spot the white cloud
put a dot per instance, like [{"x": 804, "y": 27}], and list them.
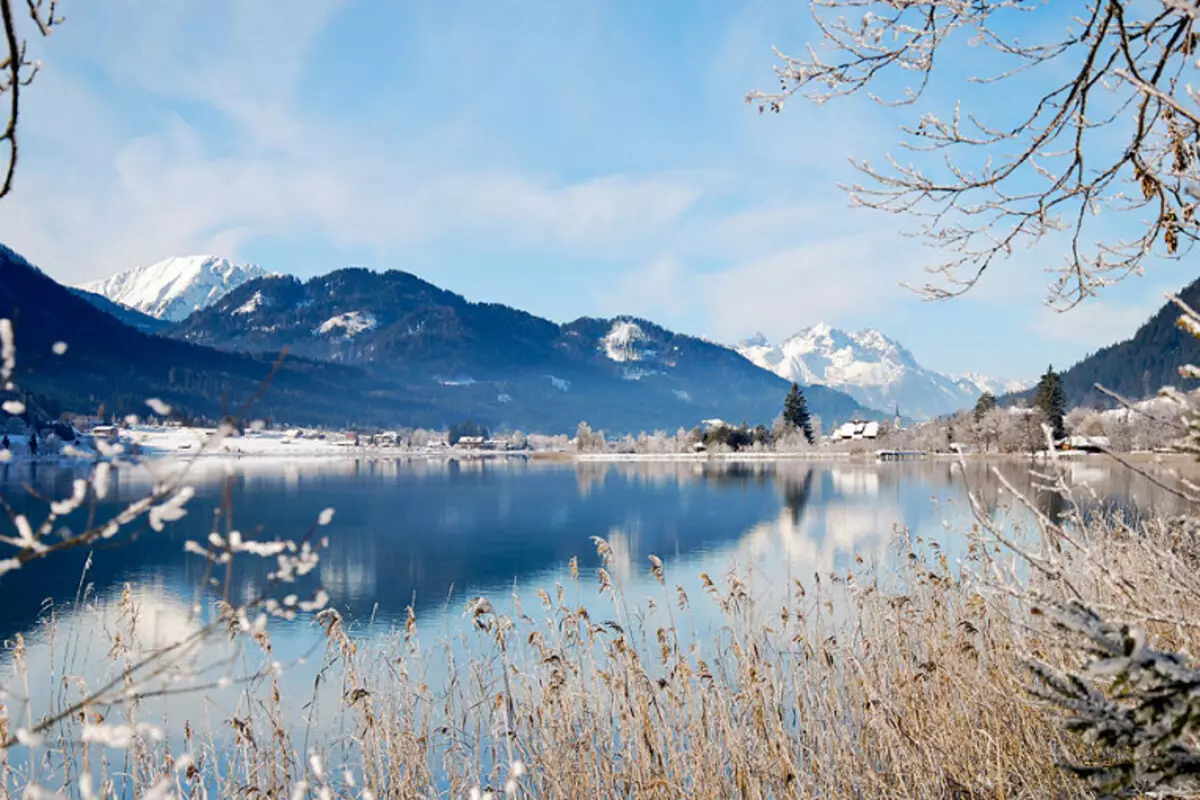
[
  {"x": 1093, "y": 324},
  {"x": 829, "y": 278}
]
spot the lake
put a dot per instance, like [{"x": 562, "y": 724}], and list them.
[{"x": 431, "y": 534}]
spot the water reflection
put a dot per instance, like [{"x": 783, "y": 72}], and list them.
[{"x": 416, "y": 532}]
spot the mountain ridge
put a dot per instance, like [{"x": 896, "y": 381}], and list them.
[
  {"x": 396, "y": 323},
  {"x": 389, "y": 349},
  {"x": 130, "y": 316}
]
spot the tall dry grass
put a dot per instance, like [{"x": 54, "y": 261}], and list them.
[
  {"x": 930, "y": 679},
  {"x": 907, "y": 685}
]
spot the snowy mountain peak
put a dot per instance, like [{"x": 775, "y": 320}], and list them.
[
  {"x": 876, "y": 370},
  {"x": 173, "y": 288}
]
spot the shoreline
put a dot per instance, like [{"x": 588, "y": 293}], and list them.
[{"x": 446, "y": 454}]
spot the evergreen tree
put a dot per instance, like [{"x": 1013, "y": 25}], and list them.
[
  {"x": 986, "y": 402},
  {"x": 1050, "y": 400},
  {"x": 795, "y": 412}
]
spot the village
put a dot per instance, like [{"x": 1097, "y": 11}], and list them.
[{"x": 1005, "y": 431}]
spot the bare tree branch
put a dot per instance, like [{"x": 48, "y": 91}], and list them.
[
  {"x": 1119, "y": 133},
  {"x": 19, "y": 72}
]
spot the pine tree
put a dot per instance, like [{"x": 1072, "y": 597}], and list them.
[
  {"x": 795, "y": 412},
  {"x": 1049, "y": 398},
  {"x": 986, "y": 402}
]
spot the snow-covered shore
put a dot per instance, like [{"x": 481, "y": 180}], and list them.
[
  {"x": 154, "y": 442},
  {"x": 163, "y": 441}
]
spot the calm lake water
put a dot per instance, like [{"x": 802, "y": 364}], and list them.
[{"x": 432, "y": 534}]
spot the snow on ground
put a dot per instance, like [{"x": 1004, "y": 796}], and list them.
[
  {"x": 351, "y": 323},
  {"x": 155, "y": 441}
]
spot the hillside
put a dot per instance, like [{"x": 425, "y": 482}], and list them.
[
  {"x": 1137, "y": 367},
  {"x": 130, "y": 316}
]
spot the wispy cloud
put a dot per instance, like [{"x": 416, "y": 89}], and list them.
[
  {"x": 833, "y": 278},
  {"x": 1093, "y": 324},
  {"x": 271, "y": 166}
]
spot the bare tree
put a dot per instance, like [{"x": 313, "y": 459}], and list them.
[
  {"x": 1097, "y": 116},
  {"x": 18, "y": 71}
]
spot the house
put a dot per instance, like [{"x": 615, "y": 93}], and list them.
[
  {"x": 470, "y": 442},
  {"x": 854, "y": 430},
  {"x": 1085, "y": 444}
]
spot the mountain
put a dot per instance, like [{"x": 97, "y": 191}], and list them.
[
  {"x": 380, "y": 350},
  {"x": 1139, "y": 366},
  {"x": 130, "y": 316},
  {"x": 173, "y": 288},
  {"x": 496, "y": 363},
  {"x": 876, "y": 371},
  {"x": 115, "y": 365}
]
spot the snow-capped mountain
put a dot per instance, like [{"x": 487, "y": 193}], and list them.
[
  {"x": 175, "y": 287},
  {"x": 877, "y": 371}
]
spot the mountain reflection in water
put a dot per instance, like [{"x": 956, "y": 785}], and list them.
[{"x": 431, "y": 533}]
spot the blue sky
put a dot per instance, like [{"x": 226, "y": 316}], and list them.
[{"x": 569, "y": 158}]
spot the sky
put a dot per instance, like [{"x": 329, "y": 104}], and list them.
[{"x": 565, "y": 157}]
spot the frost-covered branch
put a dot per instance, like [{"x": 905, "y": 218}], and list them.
[{"x": 1099, "y": 117}]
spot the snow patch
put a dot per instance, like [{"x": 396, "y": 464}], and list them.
[
  {"x": 504, "y": 397},
  {"x": 463, "y": 381},
  {"x": 255, "y": 302},
  {"x": 352, "y": 323},
  {"x": 621, "y": 342}
]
